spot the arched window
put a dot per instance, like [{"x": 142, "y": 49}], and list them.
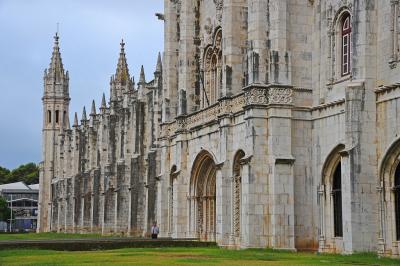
[
  {"x": 397, "y": 201},
  {"x": 346, "y": 44},
  {"x": 337, "y": 201}
]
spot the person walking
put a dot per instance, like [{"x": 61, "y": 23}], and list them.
[{"x": 154, "y": 231}]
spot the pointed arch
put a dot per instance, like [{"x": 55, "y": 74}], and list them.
[
  {"x": 389, "y": 175},
  {"x": 330, "y": 199},
  {"x": 330, "y": 164},
  {"x": 203, "y": 196}
]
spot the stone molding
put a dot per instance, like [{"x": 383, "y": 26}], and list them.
[
  {"x": 254, "y": 95},
  {"x": 387, "y": 93}
]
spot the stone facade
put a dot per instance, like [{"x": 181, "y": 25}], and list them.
[{"x": 272, "y": 123}]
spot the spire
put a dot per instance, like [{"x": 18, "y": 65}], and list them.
[
  {"x": 103, "y": 102},
  {"x": 142, "y": 78},
  {"x": 93, "y": 112},
  {"x": 122, "y": 74},
  {"x": 76, "y": 124},
  {"x": 84, "y": 117},
  {"x": 56, "y": 66},
  {"x": 159, "y": 64}
]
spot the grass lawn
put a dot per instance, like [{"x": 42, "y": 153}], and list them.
[
  {"x": 184, "y": 256},
  {"x": 46, "y": 236}
]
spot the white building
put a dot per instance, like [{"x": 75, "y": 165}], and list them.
[
  {"x": 23, "y": 201},
  {"x": 271, "y": 123}
]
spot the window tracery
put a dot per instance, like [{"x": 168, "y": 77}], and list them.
[{"x": 212, "y": 68}]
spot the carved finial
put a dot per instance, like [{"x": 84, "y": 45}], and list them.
[
  {"x": 122, "y": 73},
  {"x": 56, "y": 66}
]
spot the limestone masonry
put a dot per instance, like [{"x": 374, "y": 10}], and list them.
[{"x": 268, "y": 123}]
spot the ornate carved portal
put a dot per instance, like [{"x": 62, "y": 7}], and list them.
[
  {"x": 237, "y": 195},
  {"x": 212, "y": 71},
  {"x": 202, "y": 197}
]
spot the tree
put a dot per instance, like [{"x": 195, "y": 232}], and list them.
[
  {"x": 28, "y": 173},
  {"x": 4, "y": 173},
  {"x": 5, "y": 211}
]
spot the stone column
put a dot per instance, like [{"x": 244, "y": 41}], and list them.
[
  {"x": 222, "y": 205},
  {"x": 281, "y": 160},
  {"x": 129, "y": 211},
  {"x": 91, "y": 211},
  {"x": 382, "y": 219},
  {"x": 58, "y": 213},
  {"x": 82, "y": 214},
  {"x": 234, "y": 38},
  {"x": 321, "y": 201},
  {"x": 258, "y": 54},
  {"x": 103, "y": 208},
  {"x": 247, "y": 207},
  {"x": 116, "y": 210},
  {"x": 280, "y": 68},
  {"x": 170, "y": 63},
  {"x": 66, "y": 214},
  {"x": 187, "y": 52}
]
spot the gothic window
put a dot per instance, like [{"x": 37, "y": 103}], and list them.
[
  {"x": 57, "y": 116},
  {"x": 346, "y": 44},
  {"x": 397, "y": 201},
  {"x": 212, "y": 81},
  {"x": 337, "y": 201},
  {"x": 339, "y": 45},
  {"x": 49, "y": 117}
]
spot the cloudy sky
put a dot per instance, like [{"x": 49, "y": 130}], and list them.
[{"x": 90, "y": 33}]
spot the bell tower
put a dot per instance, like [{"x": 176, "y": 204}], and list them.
[{"x": 55, "y": 118}]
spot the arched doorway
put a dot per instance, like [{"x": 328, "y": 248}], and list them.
[
  {"x": 202, "y": 197},
  {"x": 330, "y": 203},
  {"x": 389, "y": 203}
]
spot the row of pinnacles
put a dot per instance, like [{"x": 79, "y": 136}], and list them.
[{"x": 102, "y": 170}]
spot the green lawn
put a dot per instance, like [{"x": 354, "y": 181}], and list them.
[
  {"x": 185, "y": 256},
  {"x": 44, "y": 236}
]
